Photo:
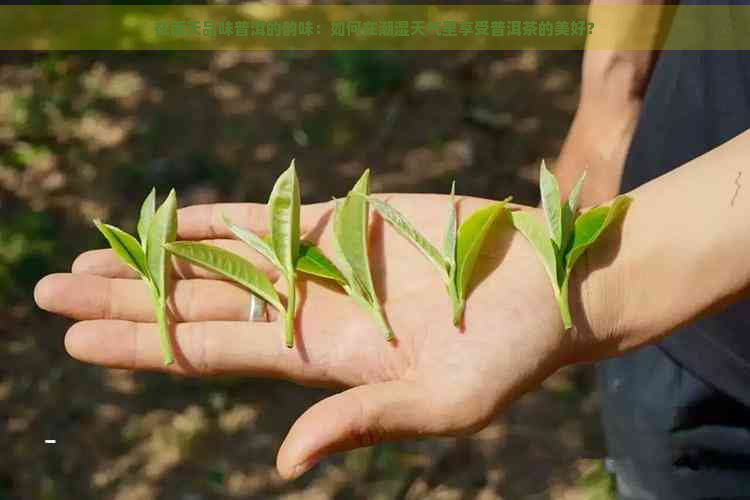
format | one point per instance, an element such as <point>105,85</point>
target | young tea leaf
<point>568,236</point>
<point>284,212</point>
<point>230,265</point>
<point>588,228</point>
<point>590,225</point>
<point>575,194</point>
<point>355,290</point>
<point>471,236</point>
<point>537,234</point>
<point>163,229</point>
<point>451,235</point>
<point>569,210</point>
<point>255,242</point>
<point>401,224</point>
<point>350,228</point>
<point>449,253</point>
<point>550,192</point>
<point>125,246</point>
<point>312,261</point>
<point>147,213</point>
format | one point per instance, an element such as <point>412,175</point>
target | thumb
<point>358,417</point>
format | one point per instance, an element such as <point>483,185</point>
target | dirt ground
<point>86,135</point>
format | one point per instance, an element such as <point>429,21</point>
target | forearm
<point>613,85</point>
<point>603,126</point>
<point>683,251</point>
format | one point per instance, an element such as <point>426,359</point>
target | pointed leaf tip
<point>550,194</point>
<point>148,208</point>
<point>363,183</point>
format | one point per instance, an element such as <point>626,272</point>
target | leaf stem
<point>377,313</point>
<point>162,320</point>
<point>562,299</point>
<point>290,307</point>
<point>458,312</point>
<point>458,304</point>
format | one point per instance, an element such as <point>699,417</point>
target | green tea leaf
<point>569,210</point>
<point>350,228</point>
<point>451,235</point>
<point>590,225</point>
<point>575,194</point>
<point>149,258</point>
<point>147,214</point>
<point>401,224</point>
<point>537,234</point>
<point>312,261</point>
<point>471,236</point>
<point>449,251</point>
<point>163,229</point>
<point>284,212</point>
<point>125,246</point>
<point>343,263</point>
<point>230,265</point>
<point>260,245</point>
<point>550,192</point>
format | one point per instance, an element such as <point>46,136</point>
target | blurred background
<point>86,135</point>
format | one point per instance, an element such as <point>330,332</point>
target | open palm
<point>434,379</point>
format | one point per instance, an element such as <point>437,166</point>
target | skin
<point>434,379</point>
<point>634,286</point>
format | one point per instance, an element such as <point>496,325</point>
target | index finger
<point>200,222</point>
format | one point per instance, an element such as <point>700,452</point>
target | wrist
<point>597,301</point>
<point>595,297</point>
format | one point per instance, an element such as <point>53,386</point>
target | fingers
<point>207,221</point>
<point>83,296</point>
<point>362,416</point>
<point>105,262</point>
<point>205,348</point>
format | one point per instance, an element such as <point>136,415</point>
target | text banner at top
<point>373,27</point>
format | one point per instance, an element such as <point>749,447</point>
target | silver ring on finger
<point>257,309</point>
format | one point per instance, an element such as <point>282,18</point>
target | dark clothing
<point>670,434</point>
<point>677,414</point>
<point>695,102</point>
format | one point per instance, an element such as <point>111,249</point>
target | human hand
<point>433,380</point>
